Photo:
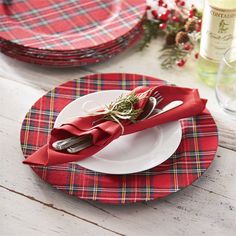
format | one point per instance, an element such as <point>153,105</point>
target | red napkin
<point>107,131</point>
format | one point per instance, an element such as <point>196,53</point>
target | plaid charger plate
<point>193,156</point>
<point>74,59</point>
<point>71,33</point>
<point>68,25</point>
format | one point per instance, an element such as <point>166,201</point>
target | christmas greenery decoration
<point>179,26</point>
<point>123,108</point>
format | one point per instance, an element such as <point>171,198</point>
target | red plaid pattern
<point>74,59</point>
<point>68,25</point>
<point>193,156</point>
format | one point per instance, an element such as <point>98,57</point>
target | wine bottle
<point>218,34</point>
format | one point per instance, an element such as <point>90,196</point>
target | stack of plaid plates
<point>69,33</point>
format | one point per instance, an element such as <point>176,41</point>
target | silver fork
<point>150,106</point>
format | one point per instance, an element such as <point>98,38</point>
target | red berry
<point>196,55</point>
<point>181,63</point>
<point>167,12</point>
<point>162,26</point>
<point>154,13</point>
<point>165,15</point>
<point>177,1</point>
<point>187,47</point>
<point>149,7</point>
<point>182,3</point>
<point>160,2</point>
<point>164,5</point>
<point>198,27</point>
<point>175,19</point>
<point>191,13</point>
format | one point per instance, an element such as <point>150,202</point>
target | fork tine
<point>159,99</point>
<point>155,94</point>
<point>158,96</point>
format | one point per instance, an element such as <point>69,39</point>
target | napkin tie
<point>107,131</point>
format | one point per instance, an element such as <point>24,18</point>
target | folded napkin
<point>106,131</point>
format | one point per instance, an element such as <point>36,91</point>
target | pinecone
<point>170,39</point>
<point>181,37</point>
<point>190,25</point>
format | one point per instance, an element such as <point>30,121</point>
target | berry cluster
<point>180,25</point>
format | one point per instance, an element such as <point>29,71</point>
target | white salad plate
<point>129,153</point>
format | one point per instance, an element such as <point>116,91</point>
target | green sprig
<point>171,54</point>
<point>151,31</point>
<point>124,104</point>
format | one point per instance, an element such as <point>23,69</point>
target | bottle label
<point>218,32</point>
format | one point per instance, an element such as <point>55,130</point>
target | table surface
<point>29,206</point>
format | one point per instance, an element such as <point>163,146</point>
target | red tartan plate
<point>19,48</point>
<point>68,25</point>
<point>73,61</point>
<point>192,158</point>
<point>136,32</point>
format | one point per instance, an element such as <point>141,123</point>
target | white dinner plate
<point>129,153</point>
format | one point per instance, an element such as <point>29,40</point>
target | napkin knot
<point>114,114</point>
<point>122,109</point>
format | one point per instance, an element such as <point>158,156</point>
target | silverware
<point>80,145</point>
<point>168,107</point>
<point>68,142</point>
<point>150,106</point>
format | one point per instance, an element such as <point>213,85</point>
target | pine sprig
<point>151,31</point>
<point>179,27</point>
<point>170,55</point>
<point>124,108</point>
